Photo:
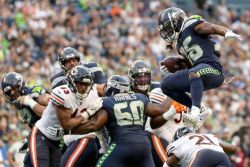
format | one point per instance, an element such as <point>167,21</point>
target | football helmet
<point>170,23</point>
<point>140,75</point>
<point>182,132</point>
<point>80,75</point>
<point>12,85</point>
<point>116,84</point>
<point>67,54</point>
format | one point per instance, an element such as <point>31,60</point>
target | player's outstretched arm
<point>95,123</point>
<point>207,28</point>
<point>228,148</point>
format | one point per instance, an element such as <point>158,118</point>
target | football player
<point>70,58</point>
<point>29,101</point>
<point>194,43</point>
<point>190,149</point>
<point>124,114</point>
<point>140,82</point>
<point>64,112</point>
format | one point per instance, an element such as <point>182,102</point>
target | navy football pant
<point>27,160</point>
<point>44,152</point>
<point>210,158</point>
<point>158,147</point>
<point>80,153</point>
<point>177,84</point>
<point>127,155</point>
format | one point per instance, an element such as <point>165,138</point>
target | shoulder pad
<point>191,20</point>
<point>59,94</point>
<point>57,75</point>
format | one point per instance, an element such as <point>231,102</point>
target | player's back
<point>126,117</point>
<point>195,47</point>
<point>189,145</point>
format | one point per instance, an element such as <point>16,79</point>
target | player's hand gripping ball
<point>174,63</point>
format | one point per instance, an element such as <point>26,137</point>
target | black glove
<point>24,147</point>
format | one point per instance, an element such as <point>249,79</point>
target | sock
<point>196,90</point>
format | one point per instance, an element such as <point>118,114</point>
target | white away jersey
<point>64,97</point>
<point>189,145</point>
<point>167,131</point>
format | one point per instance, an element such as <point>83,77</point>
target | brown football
<point>175,63</point>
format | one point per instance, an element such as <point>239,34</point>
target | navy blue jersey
<point>197,48</point>
<point>126,117</point>
<point>60,78</point>
<point>28,115</point>
<point>154,85</point>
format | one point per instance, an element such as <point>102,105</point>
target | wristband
<point>31,103</point>
<point>169,114</point>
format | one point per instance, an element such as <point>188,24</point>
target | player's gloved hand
<point>56,132</point>
<point>231,35</point>
<point>24,146</point>
<point>163,69</point>
<point>27,100</point>
<point>156,96</point>
<point>178,107</point>
<point>92,108</point>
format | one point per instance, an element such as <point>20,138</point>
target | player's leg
<point>55,153</point>
<point>201,77</point>
<point>176,85</point>
<point>27,160</point>
<point>39,149</point>
<point>208,157</point>
<point>82,152</point>
<point>115,156</point>
<point>157,148</point>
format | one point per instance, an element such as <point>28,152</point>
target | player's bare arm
<point>207,28</point>
<point>34,105</point>
<point>228,148</point>
<point>160,120</point>
<point>43,99</point>
<point>154,110</point>
<point>65,119</point>
<point>100,89</point>
<point>172,161</point>
<point>96,122</point>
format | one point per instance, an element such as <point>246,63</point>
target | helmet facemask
<point>170,23</point>
<point>12,86</point>
<point>67,54</point>
<point>78,77</point>
<point>142,81</point>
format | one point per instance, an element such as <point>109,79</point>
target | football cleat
<point>192,121</point>
<point>205,112</point>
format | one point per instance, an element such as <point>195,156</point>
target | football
<point>175,63</point>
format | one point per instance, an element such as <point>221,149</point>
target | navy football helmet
<point>12,85</point>
<point>66,54</point>
<point>140,75</point>
<point>182,132</point>
<point>116,84</point>
<point>170,22</point>
<point>80,74</point>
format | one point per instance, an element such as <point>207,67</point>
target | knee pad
<point>193,75</point>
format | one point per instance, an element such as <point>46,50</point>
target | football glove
<point>231,35</point>
<point>179,107</point>
<point>24,147</point>
<point>163,69</point>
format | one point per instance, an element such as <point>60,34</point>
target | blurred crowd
<point>115,33</point>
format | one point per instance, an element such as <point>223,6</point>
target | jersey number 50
<point>129,114</point>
